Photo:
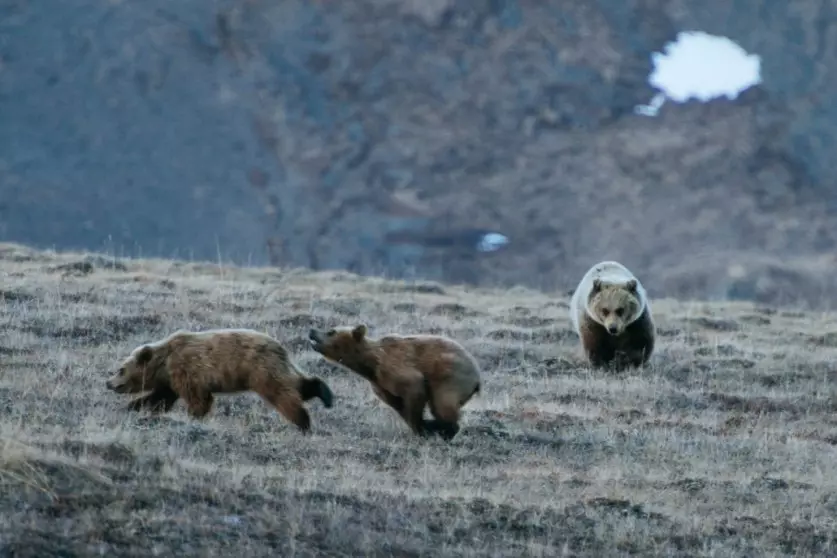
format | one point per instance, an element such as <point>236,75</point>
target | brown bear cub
<point>611,314</point>
<point>407,373</point>
<point>196,365</point>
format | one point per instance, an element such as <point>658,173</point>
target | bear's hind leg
<point>444,406</point>
<point>289,404</point>
<point>198,405</point>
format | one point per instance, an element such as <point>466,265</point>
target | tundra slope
<point>720,446</point>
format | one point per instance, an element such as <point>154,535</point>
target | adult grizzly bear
<point>196,365</point>
<point>408,372</point>
<point>610,312</point>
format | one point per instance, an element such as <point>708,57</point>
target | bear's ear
<point>144,355</point>
<point>631,285</point>
<point>597,286</point>
<point>359,332</point>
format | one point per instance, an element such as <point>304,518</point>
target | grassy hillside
<point>723,446</point>
<point>375,133</point>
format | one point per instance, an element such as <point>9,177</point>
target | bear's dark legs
<point>397,403</point>
<point>638,358</point>
<point>607,353</point>
<point>598,345</point>
<point>444,406</point>
<point>198,405</point>
<point>413,410</point>
<point>161,400</point>
<point>635,346</point>
<point>628,359</point>
<point>410,408</point>
<point>602,354</point>
<point>446,430</point>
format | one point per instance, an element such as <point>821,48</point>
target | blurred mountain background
<point>391,136</point>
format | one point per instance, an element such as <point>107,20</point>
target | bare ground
<point>724,445</point>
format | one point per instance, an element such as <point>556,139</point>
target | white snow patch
<point>702,66</point>
<point>492,241</point>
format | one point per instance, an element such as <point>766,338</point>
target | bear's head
<point>615,305</point>
<point>136,373</point>
<point>345,345</point>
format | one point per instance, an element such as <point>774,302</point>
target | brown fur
<point>407,373</point>
<point>624,339</point>
<point>196,365</point>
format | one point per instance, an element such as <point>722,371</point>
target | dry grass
<point>724,445</point>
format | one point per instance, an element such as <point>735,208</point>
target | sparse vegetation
<point>722,446</point>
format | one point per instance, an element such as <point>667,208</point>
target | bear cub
<point>408,373</point>
<point>196,365</point>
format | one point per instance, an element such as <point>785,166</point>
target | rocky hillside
<point>378,135</point>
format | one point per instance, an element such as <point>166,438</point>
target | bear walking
<point>407,373</point>
<point>196,365</point>
<point>611,314</point>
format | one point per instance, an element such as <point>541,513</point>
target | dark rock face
<point>291,132</point>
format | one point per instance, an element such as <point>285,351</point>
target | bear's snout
<point>113,385</point>
<point>613,329</point>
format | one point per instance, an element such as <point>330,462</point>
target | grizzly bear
<point>196,365</point>
<point>611,314</point>
<point>407,373</point>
